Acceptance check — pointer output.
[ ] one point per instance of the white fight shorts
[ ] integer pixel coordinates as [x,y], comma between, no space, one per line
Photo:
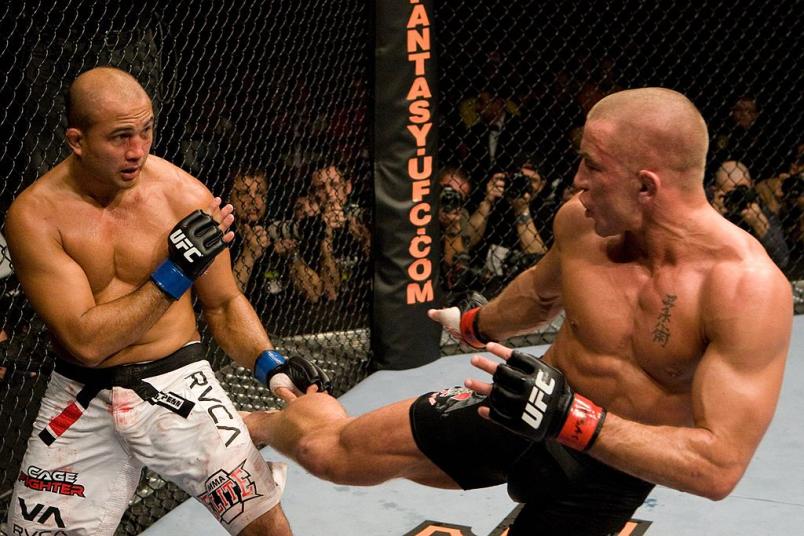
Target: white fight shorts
[89,446]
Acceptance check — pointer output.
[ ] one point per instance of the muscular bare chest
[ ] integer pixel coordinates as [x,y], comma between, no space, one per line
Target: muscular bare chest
[628,313]
[116,247]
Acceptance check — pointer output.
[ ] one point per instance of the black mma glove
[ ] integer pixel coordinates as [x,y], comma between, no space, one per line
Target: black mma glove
[532,399]
[302,373]
[192,246]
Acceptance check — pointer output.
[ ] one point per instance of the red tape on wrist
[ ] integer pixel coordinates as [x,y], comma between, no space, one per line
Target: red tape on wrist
[583,424]
[469,331]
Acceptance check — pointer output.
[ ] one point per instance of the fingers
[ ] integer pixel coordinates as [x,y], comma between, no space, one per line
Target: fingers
[213,209]
[481,388]
[484,412]
[486,365]
[224,216]
[499,350]
[285,394]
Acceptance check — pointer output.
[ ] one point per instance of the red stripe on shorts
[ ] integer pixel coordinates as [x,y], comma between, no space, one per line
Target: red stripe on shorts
[65,419]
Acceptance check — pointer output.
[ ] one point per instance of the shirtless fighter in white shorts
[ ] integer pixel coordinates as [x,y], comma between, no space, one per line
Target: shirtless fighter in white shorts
[96,245]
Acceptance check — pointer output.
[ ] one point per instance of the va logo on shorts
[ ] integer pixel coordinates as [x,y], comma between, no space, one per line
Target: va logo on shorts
[227,492]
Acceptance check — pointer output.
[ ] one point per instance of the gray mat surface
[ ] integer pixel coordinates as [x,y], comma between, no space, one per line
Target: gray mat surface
[768,501]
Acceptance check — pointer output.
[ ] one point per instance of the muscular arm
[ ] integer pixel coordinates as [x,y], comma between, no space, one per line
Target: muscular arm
[231,318]
[60,292]
[735,390]
[533,298]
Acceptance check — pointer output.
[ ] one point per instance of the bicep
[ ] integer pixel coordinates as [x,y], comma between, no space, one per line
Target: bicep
[218,285]
[737,383]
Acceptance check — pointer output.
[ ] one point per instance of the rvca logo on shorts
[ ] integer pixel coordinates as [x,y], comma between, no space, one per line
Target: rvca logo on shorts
[219,413]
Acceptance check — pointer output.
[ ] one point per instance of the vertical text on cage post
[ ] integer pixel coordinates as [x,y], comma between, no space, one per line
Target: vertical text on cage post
[420,166]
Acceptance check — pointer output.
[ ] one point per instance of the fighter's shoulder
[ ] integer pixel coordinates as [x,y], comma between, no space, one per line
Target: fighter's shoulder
[745,281]
[32,208]
[571,220]
[181,189]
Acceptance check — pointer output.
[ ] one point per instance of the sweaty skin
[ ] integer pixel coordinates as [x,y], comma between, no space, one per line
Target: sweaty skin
[677,322]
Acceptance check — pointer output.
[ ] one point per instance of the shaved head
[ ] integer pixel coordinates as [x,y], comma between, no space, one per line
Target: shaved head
[97,91]
[655,128]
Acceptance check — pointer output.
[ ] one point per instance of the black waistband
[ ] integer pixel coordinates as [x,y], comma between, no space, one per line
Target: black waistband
[130,375]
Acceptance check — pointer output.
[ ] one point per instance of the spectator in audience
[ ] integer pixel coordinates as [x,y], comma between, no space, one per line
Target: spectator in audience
[328,238]
[770,190]
[751,137]
[735,197]
[461,231]
[495,143]
[792,216]
[513,239]
[493,72]
[788,195]
[465,230]
[556,118]
[601,80]
[249,197]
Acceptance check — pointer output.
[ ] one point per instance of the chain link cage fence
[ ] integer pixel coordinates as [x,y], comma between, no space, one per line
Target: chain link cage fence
[517,78]
[264,102]
[267,104]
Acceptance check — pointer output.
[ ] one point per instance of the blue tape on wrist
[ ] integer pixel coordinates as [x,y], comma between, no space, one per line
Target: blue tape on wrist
[171,280]
[266,362]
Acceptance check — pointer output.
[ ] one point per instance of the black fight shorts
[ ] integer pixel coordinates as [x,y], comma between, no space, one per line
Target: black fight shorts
[565,492]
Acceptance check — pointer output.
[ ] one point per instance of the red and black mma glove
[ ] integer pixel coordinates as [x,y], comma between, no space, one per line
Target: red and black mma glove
[301,372]
[532,399]
[469,332]
[193,244]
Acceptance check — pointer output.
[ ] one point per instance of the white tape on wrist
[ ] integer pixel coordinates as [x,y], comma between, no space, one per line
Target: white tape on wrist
[282,380]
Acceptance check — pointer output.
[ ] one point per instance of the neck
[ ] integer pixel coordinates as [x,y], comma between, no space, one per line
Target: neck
[87,184]
[674,229]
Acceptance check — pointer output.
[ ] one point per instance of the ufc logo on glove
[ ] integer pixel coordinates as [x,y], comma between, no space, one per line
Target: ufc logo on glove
[179,240]
[535,408]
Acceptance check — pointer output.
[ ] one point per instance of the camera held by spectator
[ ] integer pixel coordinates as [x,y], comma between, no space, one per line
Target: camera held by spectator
[737,200]
[294,229]
[451,199]
[517,185]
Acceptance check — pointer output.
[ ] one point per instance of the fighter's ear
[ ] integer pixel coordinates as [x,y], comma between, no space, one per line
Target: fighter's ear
[74,139]
[649,183]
